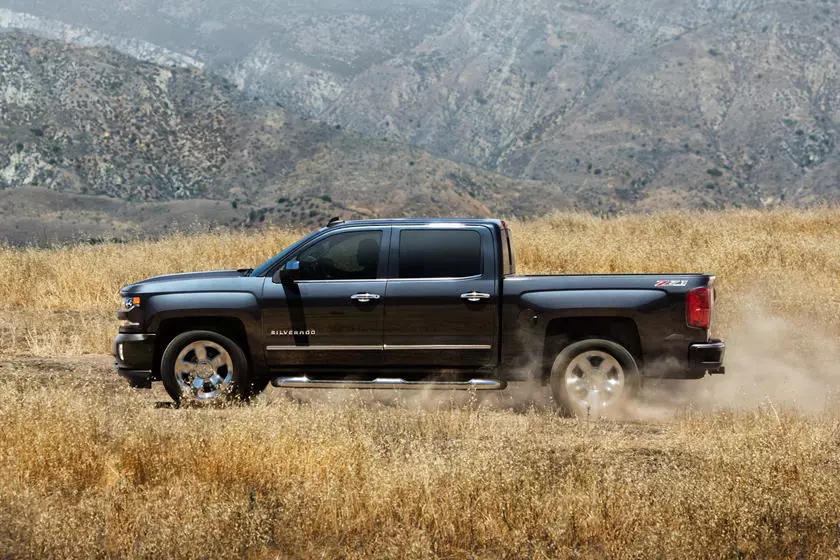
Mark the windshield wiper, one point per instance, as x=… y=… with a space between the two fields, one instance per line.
x=245 y=271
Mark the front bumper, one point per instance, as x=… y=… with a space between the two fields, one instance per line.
x=707 y=357
x=134 y=358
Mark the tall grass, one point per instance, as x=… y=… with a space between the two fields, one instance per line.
x=786 y=261
x=87 y=474
x=92 y=469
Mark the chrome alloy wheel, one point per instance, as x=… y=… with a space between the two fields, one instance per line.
x=594 y=380
x=204 y=369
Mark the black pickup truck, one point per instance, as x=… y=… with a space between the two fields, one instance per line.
x=431 y=304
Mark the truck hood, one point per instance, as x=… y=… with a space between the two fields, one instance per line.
x=187 y=281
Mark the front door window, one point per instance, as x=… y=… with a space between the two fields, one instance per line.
x=345 y=256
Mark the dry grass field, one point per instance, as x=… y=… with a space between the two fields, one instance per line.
x=744 y=465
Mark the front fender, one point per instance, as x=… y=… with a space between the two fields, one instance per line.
x=241 y=306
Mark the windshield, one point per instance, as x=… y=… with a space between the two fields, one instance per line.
x=268 y=265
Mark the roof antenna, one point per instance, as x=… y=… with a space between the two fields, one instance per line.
x=335 y=221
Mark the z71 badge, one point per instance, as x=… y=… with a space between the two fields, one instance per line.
x=672 y=284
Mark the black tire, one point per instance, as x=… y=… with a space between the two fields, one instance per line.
x=240 y=386
x=590 y=351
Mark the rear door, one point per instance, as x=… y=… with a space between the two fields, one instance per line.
x=441 y=302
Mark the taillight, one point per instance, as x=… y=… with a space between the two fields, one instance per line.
x=698 y=308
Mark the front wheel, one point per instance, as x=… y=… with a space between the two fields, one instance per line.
x=205 y=367
x=593 y=378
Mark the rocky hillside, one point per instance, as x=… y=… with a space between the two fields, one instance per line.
x=658 y=101
x=301 y=53
x=93 y=122
x=645 y=103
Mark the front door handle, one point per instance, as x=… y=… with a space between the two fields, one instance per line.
x=475 y=296
x=364 y=298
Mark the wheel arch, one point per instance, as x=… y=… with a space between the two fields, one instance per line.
x=231 y=327
x=234 y=314
x=563 y=331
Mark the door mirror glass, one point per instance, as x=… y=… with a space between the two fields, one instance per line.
x=289 y=272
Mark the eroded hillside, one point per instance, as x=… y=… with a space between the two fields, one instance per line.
x=640 y=104
x=93 y=122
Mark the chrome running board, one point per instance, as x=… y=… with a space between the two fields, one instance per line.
x=388 y=383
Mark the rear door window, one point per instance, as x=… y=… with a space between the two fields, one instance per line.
x=439 y=253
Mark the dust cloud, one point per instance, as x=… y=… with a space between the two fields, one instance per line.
x=771 y=360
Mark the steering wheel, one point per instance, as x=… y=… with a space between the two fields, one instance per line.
x=317 y=268
x=326 y=268
x=311 y=267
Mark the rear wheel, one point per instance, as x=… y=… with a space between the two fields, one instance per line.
x=205 y=367
x=594 y=377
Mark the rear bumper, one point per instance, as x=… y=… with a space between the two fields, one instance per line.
x=134 y=358
x=694 y=361
x=706 y=358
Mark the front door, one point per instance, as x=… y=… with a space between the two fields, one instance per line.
x=442 y=302
x=333 y=316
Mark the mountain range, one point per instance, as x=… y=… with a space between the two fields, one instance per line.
x=400 y=107
x=93 y=141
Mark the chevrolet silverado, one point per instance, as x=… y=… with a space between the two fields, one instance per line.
x=408 y=304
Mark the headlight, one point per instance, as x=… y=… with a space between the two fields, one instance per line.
x=126 y=306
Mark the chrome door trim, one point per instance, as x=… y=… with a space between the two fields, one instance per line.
x=384 y=347
x=451 y=278
x=327 y=348
x=438 y=347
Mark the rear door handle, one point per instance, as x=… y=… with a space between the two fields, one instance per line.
x=475 y=296
x=364 y=298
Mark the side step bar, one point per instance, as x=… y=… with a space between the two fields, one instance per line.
x=389 y=383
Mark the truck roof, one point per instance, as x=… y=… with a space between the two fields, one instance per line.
x=420 y=221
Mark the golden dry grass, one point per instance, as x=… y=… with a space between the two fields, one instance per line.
x=732 y=467
x=87 y=473
x=64 y=300
x=788 y=261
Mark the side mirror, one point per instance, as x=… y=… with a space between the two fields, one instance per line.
x=289 y=272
